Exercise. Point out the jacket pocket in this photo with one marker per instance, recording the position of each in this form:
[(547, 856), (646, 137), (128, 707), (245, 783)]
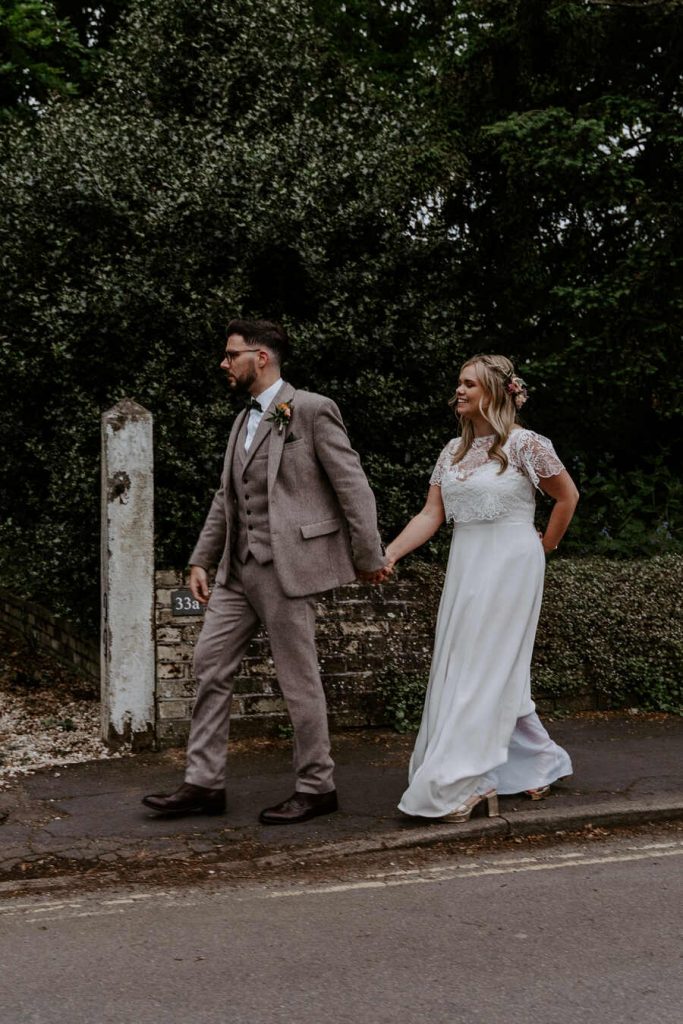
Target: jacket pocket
[(320, 529)]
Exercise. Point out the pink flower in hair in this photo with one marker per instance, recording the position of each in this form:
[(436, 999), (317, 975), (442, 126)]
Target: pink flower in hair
[(516, 387)]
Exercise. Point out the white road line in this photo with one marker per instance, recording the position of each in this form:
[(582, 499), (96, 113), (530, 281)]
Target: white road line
[(17, 909), (81, 913), (63, 909), (59, 906), (509, 860), (574, 856), (655, 846), (130, 899), (465, 867), (451, 876)]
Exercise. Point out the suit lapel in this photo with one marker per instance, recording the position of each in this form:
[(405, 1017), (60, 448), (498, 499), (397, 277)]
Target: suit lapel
[(232, 443), (278, 437)]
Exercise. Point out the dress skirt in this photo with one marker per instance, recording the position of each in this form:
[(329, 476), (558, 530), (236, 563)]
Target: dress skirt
[(479, 727)]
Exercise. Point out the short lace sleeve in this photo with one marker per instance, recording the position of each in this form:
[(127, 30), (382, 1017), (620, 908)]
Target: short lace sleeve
[(535, 455), (443, 462)]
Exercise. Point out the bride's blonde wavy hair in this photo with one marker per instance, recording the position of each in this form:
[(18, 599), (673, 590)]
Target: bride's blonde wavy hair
[(494, 373)]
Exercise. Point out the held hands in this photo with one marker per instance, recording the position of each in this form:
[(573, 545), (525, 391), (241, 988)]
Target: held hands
[(387, 569), (369, 577), (379, 575), (199, 584)]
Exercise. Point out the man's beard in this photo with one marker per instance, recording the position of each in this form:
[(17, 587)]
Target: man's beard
[(241, 385)]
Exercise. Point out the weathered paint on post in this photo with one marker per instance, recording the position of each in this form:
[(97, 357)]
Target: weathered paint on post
[(127, 561)]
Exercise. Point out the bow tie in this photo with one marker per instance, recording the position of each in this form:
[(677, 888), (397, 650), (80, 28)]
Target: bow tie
[(254, 404)]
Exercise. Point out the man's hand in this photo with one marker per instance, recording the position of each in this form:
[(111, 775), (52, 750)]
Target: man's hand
[(387, 569), (199, 584), (369, 577), (378, 575), (386, 572)]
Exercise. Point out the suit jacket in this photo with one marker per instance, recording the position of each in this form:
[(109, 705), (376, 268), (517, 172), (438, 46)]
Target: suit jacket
[(322, 513)]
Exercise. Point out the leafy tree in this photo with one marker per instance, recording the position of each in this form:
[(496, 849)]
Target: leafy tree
[(389, 41), (402, 185), (566, 235), (95, 24), (228, 163), (39, 52), (50, 49), (561, 240)]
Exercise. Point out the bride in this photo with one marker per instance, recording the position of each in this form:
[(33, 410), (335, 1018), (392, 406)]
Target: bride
[(480, 734)]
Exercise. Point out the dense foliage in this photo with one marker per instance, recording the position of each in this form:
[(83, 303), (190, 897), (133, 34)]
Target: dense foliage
[(40, 54), (613, 627), (50, 48), (402, 185)]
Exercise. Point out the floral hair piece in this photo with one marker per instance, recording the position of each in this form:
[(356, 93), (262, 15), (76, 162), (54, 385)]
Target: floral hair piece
[(517, 388)]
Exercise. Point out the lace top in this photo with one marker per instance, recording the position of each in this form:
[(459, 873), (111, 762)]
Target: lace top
[(475, 489)]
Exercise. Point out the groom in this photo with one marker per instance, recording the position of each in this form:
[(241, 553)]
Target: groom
[(293, 516)]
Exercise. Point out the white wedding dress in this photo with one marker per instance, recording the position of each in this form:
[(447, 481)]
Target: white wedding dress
[(479, 727)]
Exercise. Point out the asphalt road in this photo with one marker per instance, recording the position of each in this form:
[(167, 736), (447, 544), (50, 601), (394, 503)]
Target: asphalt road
[(554, 935)]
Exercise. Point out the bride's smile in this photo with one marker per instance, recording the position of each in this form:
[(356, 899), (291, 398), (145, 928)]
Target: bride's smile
[(471, 398)]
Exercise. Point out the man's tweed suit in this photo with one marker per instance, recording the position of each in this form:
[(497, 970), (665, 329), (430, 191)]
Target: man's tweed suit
[(294, 516)]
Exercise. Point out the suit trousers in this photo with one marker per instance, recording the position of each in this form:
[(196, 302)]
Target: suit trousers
[(234, 614)]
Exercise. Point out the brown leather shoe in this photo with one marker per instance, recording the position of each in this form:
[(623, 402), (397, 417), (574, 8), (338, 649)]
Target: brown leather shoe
[(299, 807), (187, 799)]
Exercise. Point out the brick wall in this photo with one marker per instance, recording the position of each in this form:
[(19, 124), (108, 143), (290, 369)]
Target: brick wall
[(360, 629), (50, 634)]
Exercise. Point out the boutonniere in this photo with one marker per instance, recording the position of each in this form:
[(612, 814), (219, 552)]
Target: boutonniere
[(281, 414)]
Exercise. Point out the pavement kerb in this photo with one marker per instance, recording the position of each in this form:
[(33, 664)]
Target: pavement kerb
[(613, 813), (539, 822), (522, 823)]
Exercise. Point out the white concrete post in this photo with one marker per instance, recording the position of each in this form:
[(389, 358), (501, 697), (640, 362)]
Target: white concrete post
[(127, 560)]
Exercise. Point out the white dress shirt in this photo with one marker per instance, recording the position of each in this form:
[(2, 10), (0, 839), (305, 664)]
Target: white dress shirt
[(255, 417)]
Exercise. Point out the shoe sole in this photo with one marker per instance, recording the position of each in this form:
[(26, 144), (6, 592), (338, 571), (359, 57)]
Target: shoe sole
[(295, 821), (537, 794), (170, 813)]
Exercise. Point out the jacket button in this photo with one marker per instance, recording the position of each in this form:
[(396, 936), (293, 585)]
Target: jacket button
[(250, 527)]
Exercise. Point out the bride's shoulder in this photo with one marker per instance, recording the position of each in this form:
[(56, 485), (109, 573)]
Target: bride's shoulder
[(450, 447), (520, 437)]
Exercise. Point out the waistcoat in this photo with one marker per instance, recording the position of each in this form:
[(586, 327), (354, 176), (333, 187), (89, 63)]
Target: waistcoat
[(250, 484)]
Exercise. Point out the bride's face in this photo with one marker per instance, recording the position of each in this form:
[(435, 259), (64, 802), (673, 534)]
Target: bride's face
[(470, 394)]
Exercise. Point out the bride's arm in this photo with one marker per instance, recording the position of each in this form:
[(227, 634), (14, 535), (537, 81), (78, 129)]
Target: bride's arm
[(420, 528), (562, 488)]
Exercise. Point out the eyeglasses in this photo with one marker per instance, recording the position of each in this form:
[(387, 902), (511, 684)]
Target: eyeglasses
[(230, 356)]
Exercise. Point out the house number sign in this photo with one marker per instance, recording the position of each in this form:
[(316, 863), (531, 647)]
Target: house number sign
[(183, 603)]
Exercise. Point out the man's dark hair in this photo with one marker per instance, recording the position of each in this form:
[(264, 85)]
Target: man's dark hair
[(262, 332)]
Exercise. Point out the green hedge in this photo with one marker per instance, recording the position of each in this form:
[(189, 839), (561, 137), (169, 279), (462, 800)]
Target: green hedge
[(614, 627), (610, 636)]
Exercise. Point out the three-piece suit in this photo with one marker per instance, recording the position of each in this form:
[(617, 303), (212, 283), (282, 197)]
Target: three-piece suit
[(294, 516)]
